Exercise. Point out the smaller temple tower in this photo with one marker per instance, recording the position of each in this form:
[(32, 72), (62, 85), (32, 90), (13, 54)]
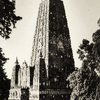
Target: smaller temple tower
[(25, 75), (14, 79), (21, 81)]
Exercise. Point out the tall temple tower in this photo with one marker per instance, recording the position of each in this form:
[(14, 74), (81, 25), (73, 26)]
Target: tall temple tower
[(52, 55), (51, 61)]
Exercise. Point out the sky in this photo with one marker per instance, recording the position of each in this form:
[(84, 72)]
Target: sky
[(82, 17)]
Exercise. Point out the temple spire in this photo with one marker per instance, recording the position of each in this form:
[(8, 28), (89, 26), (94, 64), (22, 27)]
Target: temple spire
[(16, 62)]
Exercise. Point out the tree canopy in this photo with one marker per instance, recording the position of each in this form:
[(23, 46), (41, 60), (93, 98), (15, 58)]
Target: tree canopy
[(8, 18), (3, 60), (85, 82)]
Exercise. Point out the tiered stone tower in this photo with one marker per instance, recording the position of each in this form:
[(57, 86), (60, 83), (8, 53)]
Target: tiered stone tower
[(52, 55), (21, 81), (51, 61)]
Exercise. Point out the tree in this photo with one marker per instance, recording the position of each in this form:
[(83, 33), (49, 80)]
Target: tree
[(85, 82), (7, 17), (4, 82), (2, 62)]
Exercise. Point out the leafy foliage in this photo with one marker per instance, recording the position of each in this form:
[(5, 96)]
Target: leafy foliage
[(7, 17), (3, 76), (85, 82)]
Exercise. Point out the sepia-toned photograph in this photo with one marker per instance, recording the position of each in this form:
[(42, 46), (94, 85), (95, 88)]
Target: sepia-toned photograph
[(49, 50)]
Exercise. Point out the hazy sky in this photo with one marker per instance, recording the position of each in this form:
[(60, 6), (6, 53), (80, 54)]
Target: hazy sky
[(82, 16)]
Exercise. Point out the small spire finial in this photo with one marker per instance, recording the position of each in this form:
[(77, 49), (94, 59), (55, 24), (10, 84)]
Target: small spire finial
[(41, 55), (17, 63)]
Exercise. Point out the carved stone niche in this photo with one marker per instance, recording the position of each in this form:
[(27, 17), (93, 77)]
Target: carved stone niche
[(25, 94)]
